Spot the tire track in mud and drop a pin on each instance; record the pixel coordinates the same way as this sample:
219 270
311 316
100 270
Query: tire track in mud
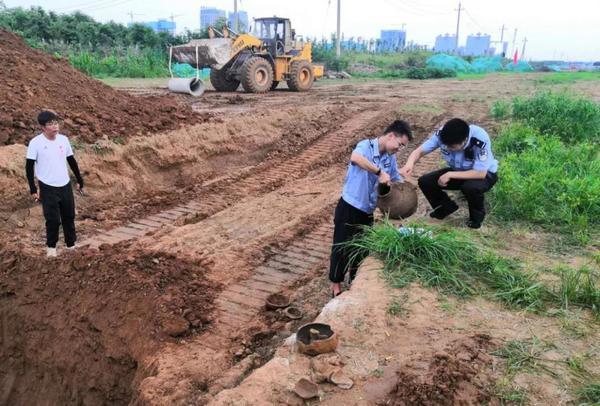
264 177
240 303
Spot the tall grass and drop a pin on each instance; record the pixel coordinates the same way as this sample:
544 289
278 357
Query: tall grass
579 287
549 164
128 63
452 262
547 183
569 117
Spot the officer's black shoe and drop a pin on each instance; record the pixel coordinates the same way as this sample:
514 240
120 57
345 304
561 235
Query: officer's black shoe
441 212
473 224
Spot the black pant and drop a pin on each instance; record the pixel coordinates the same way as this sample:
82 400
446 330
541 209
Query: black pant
59 206
473 189
348 221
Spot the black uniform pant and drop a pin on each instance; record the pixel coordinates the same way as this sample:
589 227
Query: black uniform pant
348 222
58 204
473 189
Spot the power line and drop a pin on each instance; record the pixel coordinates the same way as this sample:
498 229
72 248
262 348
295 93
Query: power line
473 19
85 5
118 3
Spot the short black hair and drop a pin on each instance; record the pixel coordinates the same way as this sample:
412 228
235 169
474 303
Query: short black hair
46 116
400 128
454 132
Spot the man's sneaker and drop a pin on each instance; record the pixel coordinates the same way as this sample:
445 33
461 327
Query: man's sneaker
51 252
441 212
72 247
473 224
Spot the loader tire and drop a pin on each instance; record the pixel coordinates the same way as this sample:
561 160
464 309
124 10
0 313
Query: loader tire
221 83
301 76
257 75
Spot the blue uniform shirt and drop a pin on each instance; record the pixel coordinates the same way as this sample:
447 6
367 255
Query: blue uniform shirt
360 186
476 154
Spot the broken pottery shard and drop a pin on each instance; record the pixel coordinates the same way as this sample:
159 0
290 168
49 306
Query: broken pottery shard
340 379
306 389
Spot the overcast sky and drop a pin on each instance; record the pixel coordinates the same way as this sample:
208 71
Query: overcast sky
554 29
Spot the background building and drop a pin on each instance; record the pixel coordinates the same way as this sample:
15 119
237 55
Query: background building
445 43
392 40
478 45
210 16
162 25
242 18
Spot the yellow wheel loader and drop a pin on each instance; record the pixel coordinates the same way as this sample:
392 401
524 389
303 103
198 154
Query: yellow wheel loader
272 53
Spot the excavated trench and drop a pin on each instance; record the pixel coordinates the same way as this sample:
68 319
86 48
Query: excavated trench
170 307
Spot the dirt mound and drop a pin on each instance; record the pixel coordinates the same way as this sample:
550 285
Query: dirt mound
31 80
74 330
456 376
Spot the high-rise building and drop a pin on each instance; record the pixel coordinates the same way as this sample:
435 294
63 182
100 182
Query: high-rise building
210 15
392 40
478 45
445 43
162 25
242 19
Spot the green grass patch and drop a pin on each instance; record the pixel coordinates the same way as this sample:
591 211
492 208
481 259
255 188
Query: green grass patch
125 63
500 110
547 183
453 262
508 394
450 261
559 78
524 356
589 394
569 117
579 288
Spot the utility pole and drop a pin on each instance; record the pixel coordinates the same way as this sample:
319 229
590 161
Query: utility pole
172 17
338 45
523 50
457 27
502 33
131 14
236 18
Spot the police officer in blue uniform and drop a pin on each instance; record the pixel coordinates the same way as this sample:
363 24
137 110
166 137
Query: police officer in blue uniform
373 161
471 169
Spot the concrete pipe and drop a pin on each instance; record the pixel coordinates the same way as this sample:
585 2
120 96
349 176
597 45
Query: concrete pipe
191 86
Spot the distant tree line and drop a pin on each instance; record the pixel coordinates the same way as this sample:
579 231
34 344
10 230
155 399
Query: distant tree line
39 27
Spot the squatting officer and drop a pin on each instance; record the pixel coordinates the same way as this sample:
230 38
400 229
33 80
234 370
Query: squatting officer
373 161
471 168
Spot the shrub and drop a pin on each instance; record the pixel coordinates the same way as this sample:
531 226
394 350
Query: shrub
429 73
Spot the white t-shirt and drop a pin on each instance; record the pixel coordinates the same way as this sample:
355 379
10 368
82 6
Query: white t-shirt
50 159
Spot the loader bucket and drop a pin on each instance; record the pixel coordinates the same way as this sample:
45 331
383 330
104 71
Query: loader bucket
204 53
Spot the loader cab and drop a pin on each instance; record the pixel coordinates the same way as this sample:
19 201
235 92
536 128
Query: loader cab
276 33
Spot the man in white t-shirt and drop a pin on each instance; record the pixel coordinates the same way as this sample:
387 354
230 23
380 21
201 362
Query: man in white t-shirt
49 153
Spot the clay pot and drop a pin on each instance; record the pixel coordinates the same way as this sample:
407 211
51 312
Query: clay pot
276 301
316 338
397 201
293 313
